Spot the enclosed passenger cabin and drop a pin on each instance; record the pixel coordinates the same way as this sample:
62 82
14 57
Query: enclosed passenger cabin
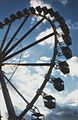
1 25
39 9
65 28
37 116
49 101
13 17
67 39
57 16
19 14
7 20
51 11
67 52
58 84
45 10
32 10
64 67
25 11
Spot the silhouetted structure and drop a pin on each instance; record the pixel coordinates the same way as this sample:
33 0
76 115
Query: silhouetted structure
0 115
49 101
8 51
37 116
64 67
58 84
67 52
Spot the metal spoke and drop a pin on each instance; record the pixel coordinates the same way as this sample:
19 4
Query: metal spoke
19 93
7 97
44 82
27 64
22 38
16 89
11 54
17 31
6 34
27 47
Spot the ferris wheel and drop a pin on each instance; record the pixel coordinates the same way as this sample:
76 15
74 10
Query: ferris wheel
18 35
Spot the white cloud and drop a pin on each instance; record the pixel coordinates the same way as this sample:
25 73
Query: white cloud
72 98
72 25
45 59
28 82
49 41
35 3
69 99
75 26
33 20
43 70
73 63
2 106
63 113
26 54
64 2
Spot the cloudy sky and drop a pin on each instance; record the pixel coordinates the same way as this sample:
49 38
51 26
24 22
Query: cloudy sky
28 79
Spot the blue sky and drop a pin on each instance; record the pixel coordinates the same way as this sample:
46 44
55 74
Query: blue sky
67 9
31 78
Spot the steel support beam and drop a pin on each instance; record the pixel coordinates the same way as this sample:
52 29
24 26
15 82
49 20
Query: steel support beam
17 31
16 90
6 34
44 82
27 64
21 39
9 105
27 47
